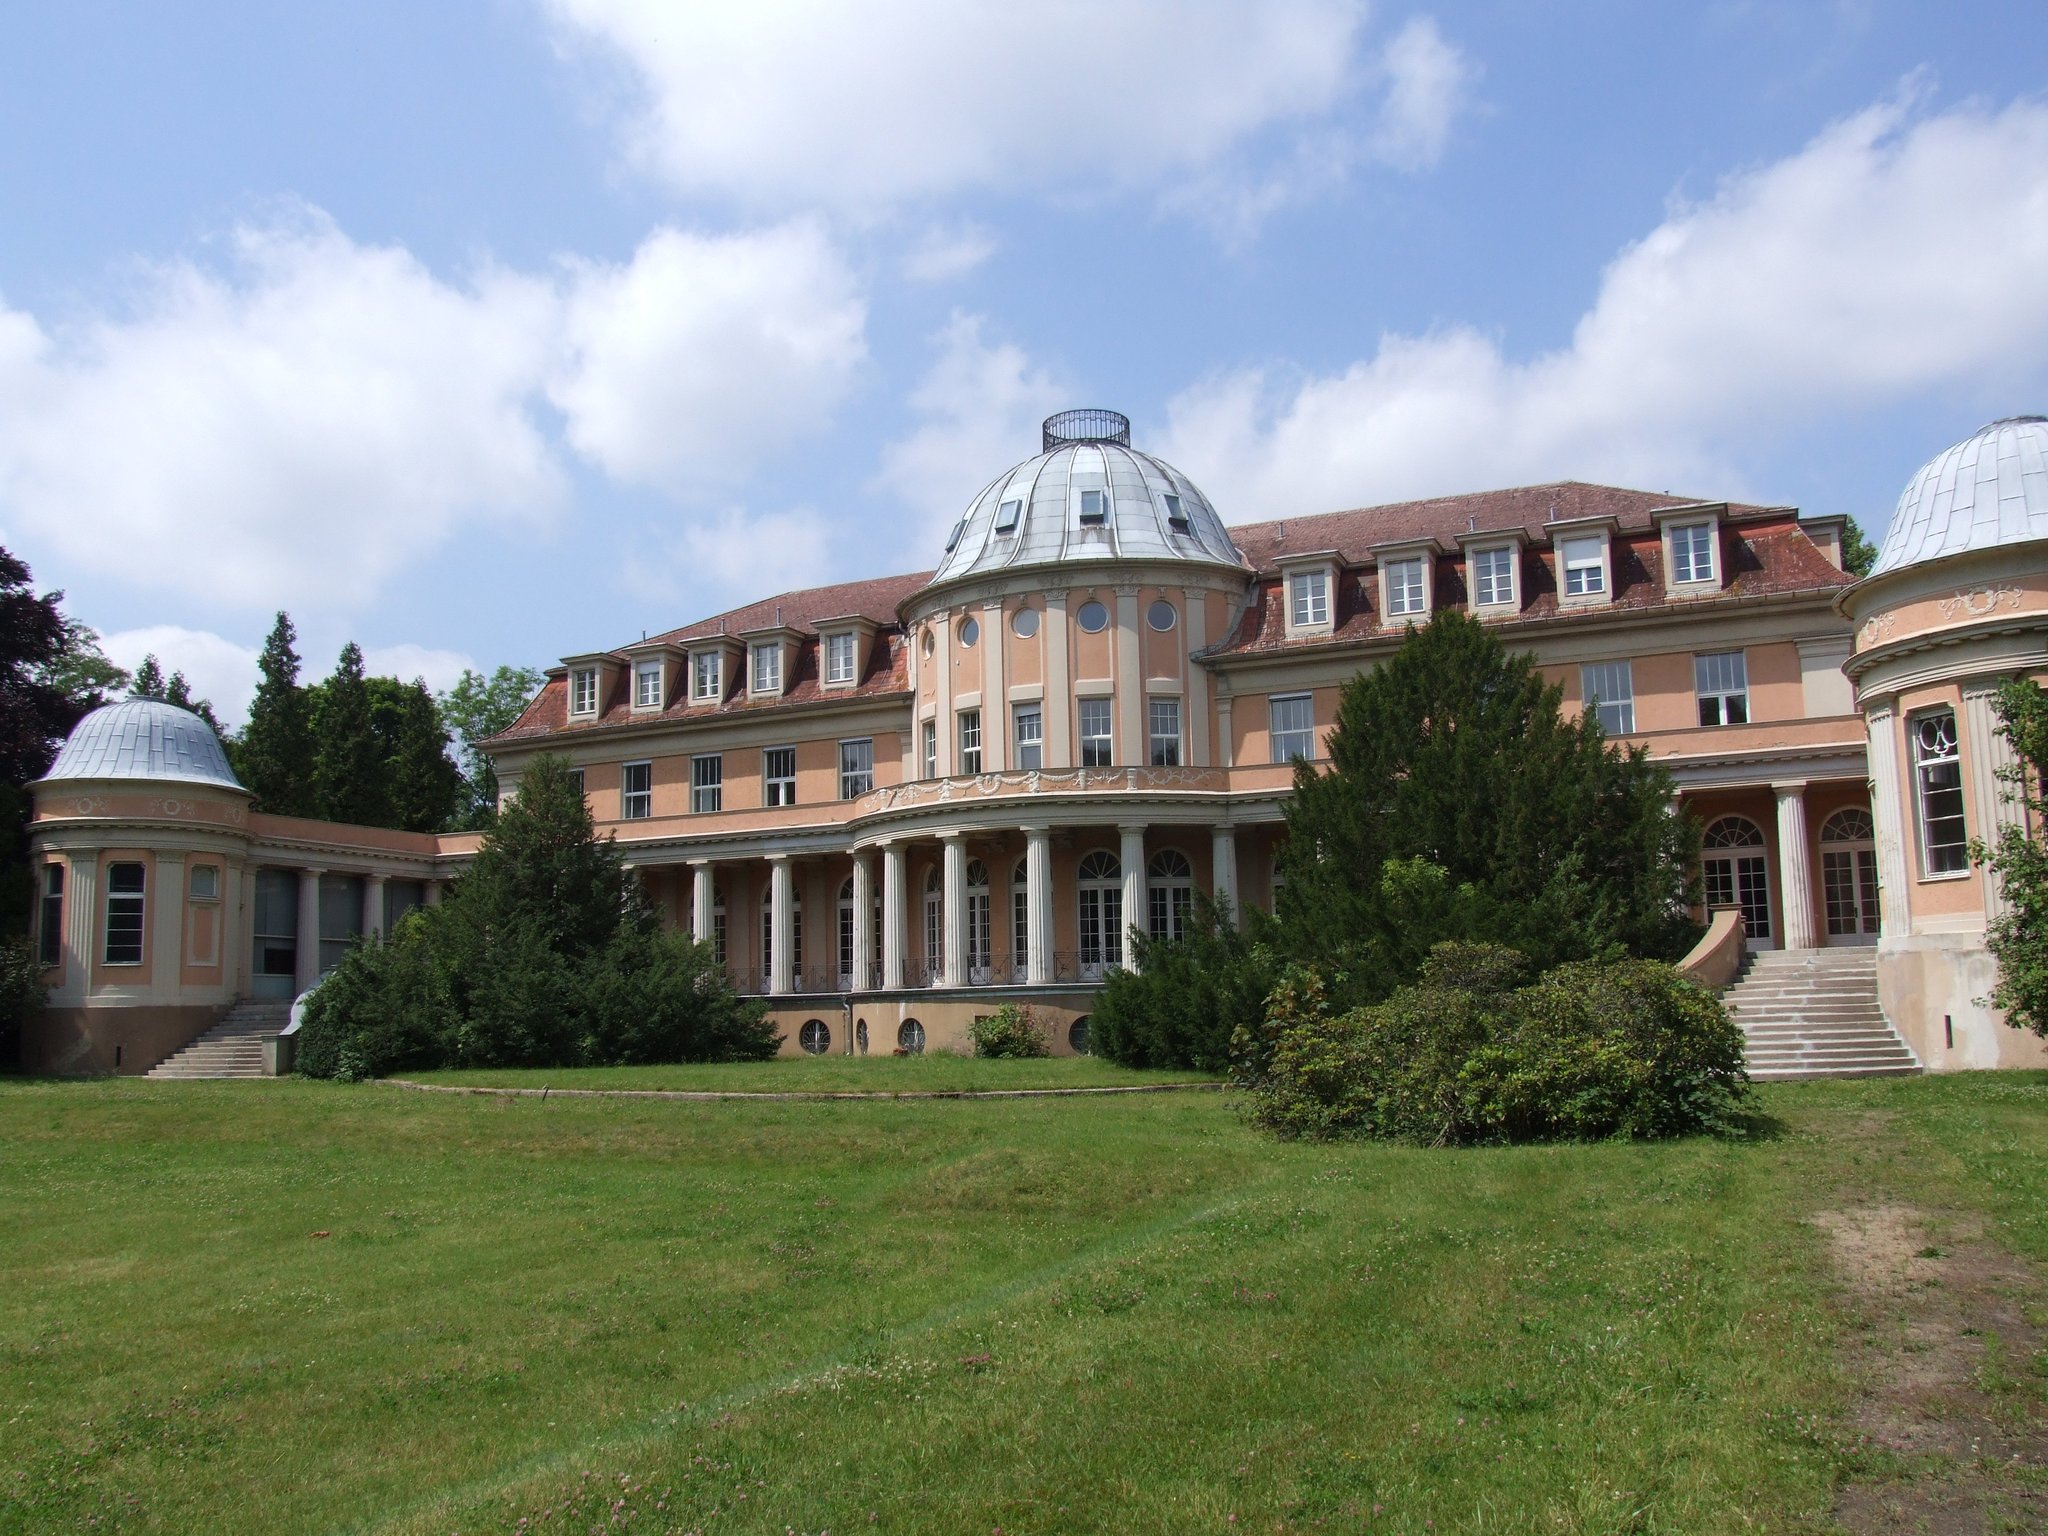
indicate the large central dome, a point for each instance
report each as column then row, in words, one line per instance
column 1089, row 496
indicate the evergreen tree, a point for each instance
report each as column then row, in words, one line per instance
column 179, row 692
column 1857, row 554
column 348, row 761
column 424, row 785
column 149, row 680
column 274, row 755
column 1460, row 804
column 476, row 709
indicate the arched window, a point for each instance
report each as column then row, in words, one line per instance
column 1848, row 875
column 1735, row 866
column 934, row 923
column 910, row 1037
column 1169, row 894
column 1100, row 893
column 815, row 1037
column 1020, row 920
column 979, row 960
column 1077, row 1036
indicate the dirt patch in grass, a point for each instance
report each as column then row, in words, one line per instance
column 1951, row 1354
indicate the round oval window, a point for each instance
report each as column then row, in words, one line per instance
column 1077, row 1036
column 1161, row 616
column 910, row 1037
column 970, row 631
column 927, row 642
column 1026, row 622
column 815, row 1037
column 1093, row 618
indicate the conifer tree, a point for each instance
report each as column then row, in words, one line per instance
column 274, row 755
column 423, row 782
column 348, row 761
column 179, row 692
column 149, row 680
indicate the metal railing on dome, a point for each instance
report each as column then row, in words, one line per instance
column 1086, row 426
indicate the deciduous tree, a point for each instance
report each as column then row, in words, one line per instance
column 476, row 709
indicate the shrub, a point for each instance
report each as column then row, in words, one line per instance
column 1591, row 1050
column 1013, row 1030
column 1185, row 998
column 21, row 993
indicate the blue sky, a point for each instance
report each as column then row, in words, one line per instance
column 500, row 330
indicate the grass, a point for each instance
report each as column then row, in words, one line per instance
column 936, row 1072
column 294, row 1306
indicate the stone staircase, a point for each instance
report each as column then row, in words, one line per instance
column 1814, row 1013
column 232, row 1048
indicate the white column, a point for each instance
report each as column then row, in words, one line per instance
column 1129, row 667
column 240, row 935
column 307, row 970
column 1038, row 905
column 1223, row 868
column 781, row 908
column 433, row 894
column 1888, row 811
column 942, row 691
column 167, row 927
column 1226, row 750
column 1194, row 618
column 1795, row 867
column 893, row 880
column 373, row 907
column 863, row 921
column 953, row 965
column 703, row 897
column 1988, row 755
column 81, row 926
column 1059, row 685
column 995, row 699
column 1134, row 886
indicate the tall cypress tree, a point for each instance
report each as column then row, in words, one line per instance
column 348, row 762
column 149, row 680
column 423, row 780
column 274, row 756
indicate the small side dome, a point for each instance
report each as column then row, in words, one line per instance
column 144, row 739
column 1089, row 495
column 1989, row 490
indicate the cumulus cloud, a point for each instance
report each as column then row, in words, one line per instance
column 220, row 671
column 407, row 661
column 978, row 407
column 1895, row 252
column 303, row 421
column 1428, row 83
column 859, row 107
column 686, row 365
column 943, row 253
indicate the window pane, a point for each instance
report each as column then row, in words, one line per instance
column 1096, row 747
column 856, row 768
column 1030, row 737
column 706, row 665
column 1692, row 552
column 1584, row 573
column 125, row 890
column 1938, row 771
column 1609, row 688
column 636, row 782
column 839, row 658
column 1165, row 731
column 1310, row 595
column 970, row 740
column 1493, row 573
column 1404, row 587
column 768, row 668
column 707, row 783
column 1293, row 727
column 778, row 773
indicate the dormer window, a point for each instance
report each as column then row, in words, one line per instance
column 1493, row 577
column 767, row 674
column 1008, row 511
column 704, row 678
column 1094, row 506
column 1692, row 554
column 1176, row 515
column 953, row 539
column 1308, row 599
column 1407, row 587
column 1583, row 562
column 647, row 685
column 583, row 691
column 839, row 658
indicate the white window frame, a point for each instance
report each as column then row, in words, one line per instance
column 707, row 783
column 1612, row 695
column 1402, row 601
column 582, row 691
column 1278, row 739
column 1098, row 748
column 1721, row 691
column 841, row 659
column 1485, row 580
column 707, row 681
column 778, row 788
column 1091, row 507
column 644, row 673
column 764, row 682
column 50, row 916
column 1308, row 599
column 1597, row 583
column 135, row 902
column 1708, row 529
column 1162, row 723
column 856, row 767
column 636, row 804
column 1955, row 857
column 930, row 748
column 967, row 741
column 1028, row 746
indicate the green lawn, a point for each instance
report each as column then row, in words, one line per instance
column 295, row 1306
column 938, row 1072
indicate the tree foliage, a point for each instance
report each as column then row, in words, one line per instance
column 543, row 954
column 349, row 783
column 2018, row 859
column 476, row 709
column 1461, row 804
column 274, row 755
column 1859, row 555
column 1183, row 999
column 423, row 785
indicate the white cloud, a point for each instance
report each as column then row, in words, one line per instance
column 1428, row 83
column 220, row 671
column 979, row 409
column 872, row 105
column 945, row 253
column 687, row 365
column 407, row 661
column 299, row 424
column 1894, row 253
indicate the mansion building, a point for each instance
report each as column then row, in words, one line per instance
column 892, row 805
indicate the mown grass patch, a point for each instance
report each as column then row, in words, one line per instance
column 314, row 1307
column 933, row 1072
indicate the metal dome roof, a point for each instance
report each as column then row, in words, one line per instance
column 1988, row 490
column 1088, row 496
column 144, row 739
